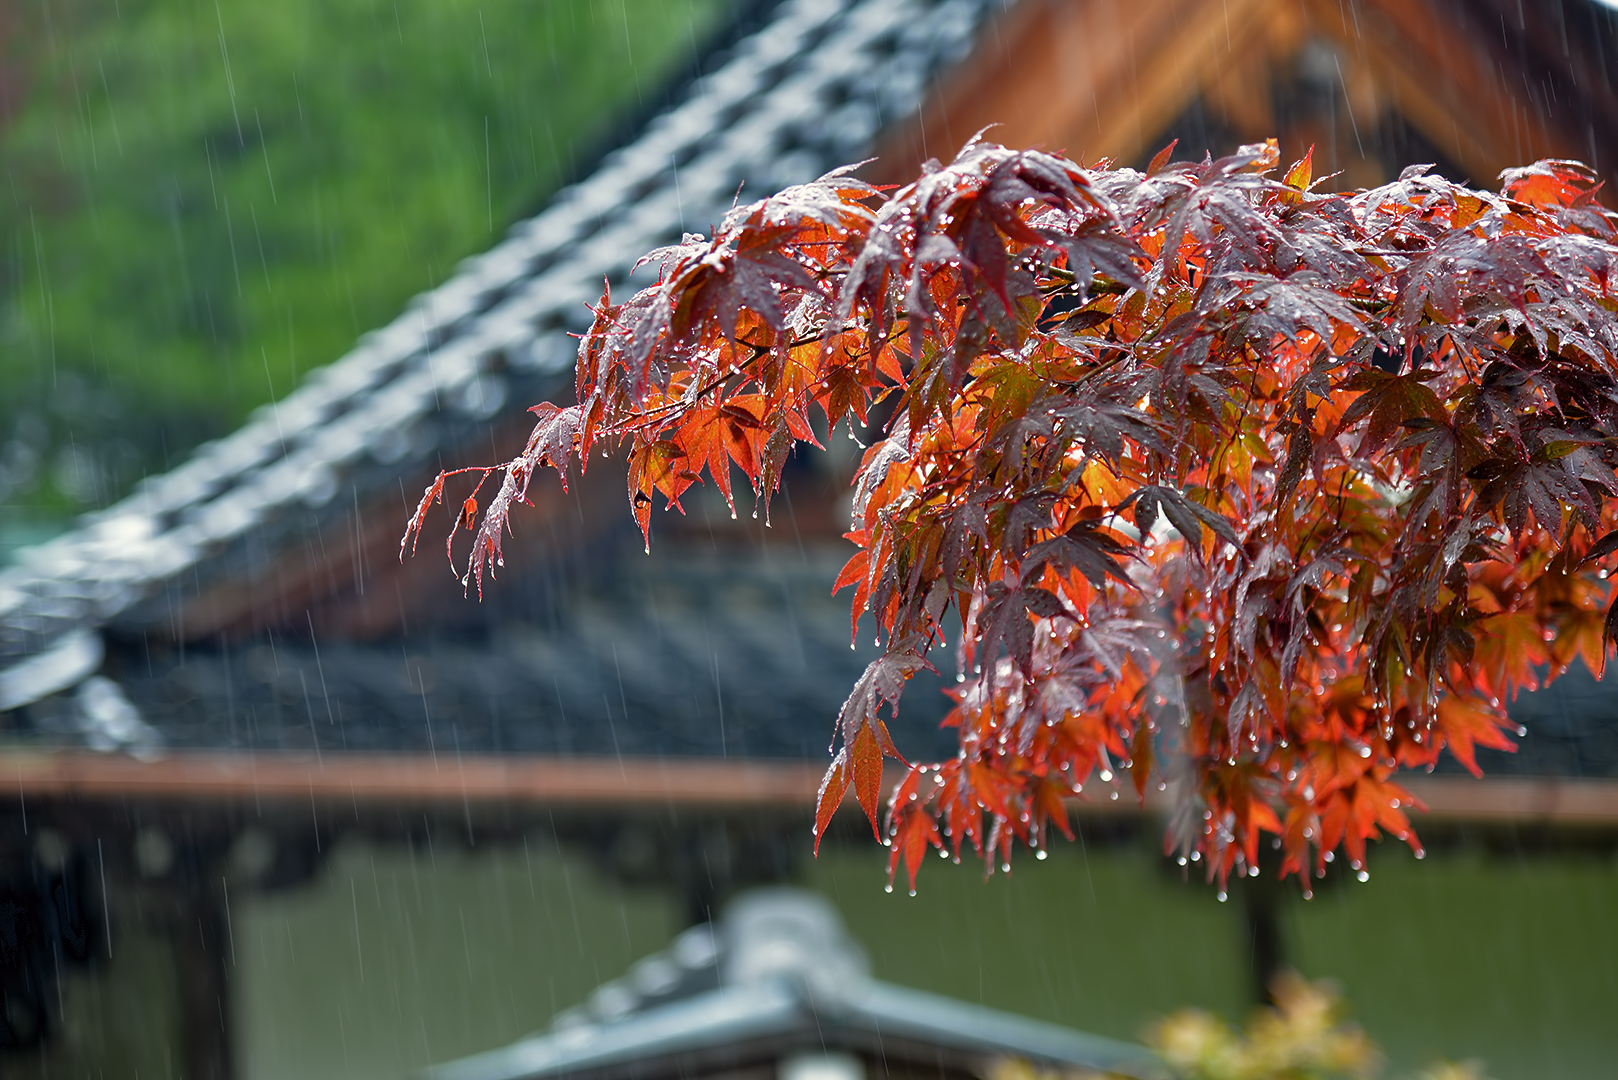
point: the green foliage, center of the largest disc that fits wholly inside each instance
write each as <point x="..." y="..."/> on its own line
<point x="1303" y="1036"/>
<point x="205" y="200"/>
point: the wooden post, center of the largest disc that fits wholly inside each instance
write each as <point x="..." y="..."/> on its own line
<point x="1265" y="949"/>
<point x="202" y="963"/>
<point x="1263" y="899"/>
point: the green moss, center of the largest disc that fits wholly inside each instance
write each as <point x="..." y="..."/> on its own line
<point x="203" y="201"/>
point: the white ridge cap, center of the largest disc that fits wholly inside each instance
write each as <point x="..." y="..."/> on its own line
<point x="68" y="661"/>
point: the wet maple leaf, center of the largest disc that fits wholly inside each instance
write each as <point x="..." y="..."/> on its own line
<point x="1273" y="492"/>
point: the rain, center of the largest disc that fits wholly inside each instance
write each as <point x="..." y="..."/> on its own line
<point x="280" y="798"/>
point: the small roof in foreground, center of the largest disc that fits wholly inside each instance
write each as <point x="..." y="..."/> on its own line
<point x="778" y="978"/>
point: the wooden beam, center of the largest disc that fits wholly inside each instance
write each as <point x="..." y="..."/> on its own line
<point x="410" y="778"/>
<point x="1516" y="801"/>
<point x="1090" y="79"/>
<point x="1450" y="800"/>
<point x="649" y="782"/>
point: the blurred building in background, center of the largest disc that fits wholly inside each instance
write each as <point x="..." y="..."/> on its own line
<point x="287" y="804"/>
<point x="778" y="988"/>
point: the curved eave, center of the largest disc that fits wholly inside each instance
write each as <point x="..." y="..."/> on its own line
<point x="740" y="1024"/>
<point x="719" y="1019"/>
<point x="890" y="1012"/>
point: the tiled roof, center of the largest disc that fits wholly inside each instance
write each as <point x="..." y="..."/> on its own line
<point x="804" y="93"/>
<point x="776" y="978"/>
<point x="694" y="651"/>
<point x="701" y="652"/>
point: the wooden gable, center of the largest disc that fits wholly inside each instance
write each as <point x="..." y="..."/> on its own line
<point x="1474" y="85"/>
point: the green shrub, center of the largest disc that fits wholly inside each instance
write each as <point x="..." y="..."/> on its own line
<point x="203" y="201"/>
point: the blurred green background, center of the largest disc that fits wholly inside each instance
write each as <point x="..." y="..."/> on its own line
<point x="203" y="200"/>
<point x="393" y="958"/>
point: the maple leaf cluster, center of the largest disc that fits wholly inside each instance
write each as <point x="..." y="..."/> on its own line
<point x="1258" y="493"/>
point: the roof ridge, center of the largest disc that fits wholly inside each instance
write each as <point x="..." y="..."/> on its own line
<point x="779" y="974"/>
